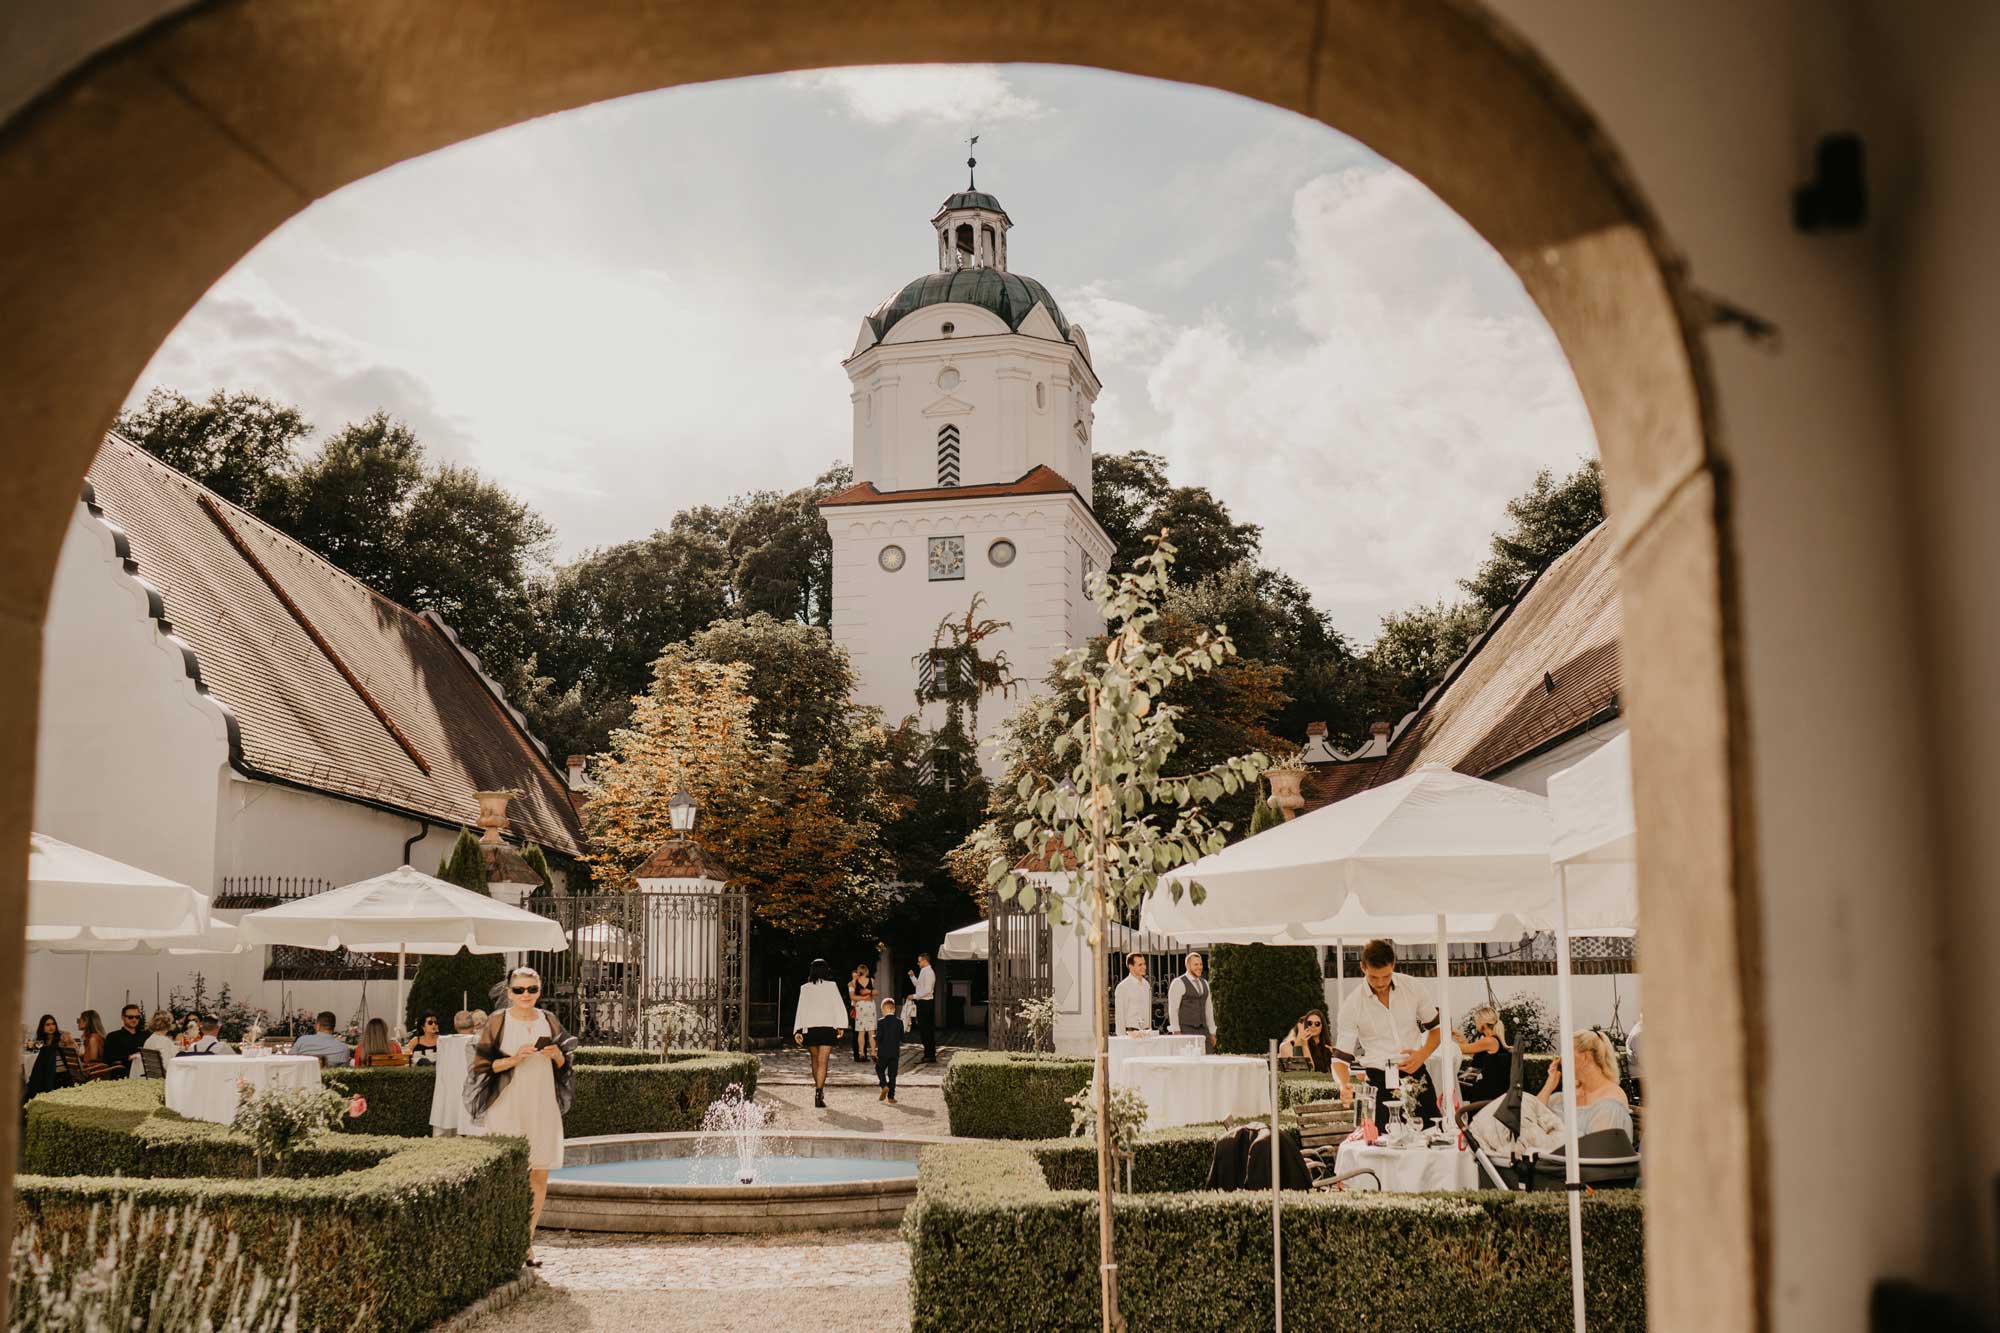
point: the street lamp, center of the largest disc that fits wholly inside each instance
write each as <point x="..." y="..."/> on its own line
<point x="681" y="811"/>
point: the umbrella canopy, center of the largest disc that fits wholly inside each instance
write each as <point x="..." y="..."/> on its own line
<point x="1433" y="842"/>
<point x="404" y="911"/>
<point x="1188" y="923"/>
<point x="971" y="943"/>
<point x="219" y="938"/>
<point x="74" y="894"/>
<point x="1595" y="839"/>
<point x="600" y="941"/>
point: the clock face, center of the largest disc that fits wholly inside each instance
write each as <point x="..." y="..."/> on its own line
<point x="947" y="557"/>
<point x="891" y="558"/>
<point x="1001" y="553"/>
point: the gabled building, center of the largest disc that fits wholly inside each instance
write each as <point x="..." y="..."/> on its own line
<point x="222" y="706"/>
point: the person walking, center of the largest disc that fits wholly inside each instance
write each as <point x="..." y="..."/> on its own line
<point x="923" y="995"/>
<point x="820" y="1023"/>
<point x="888" y="1051"/>
<point x="862" y="992"/>
<point x="522" y="1083"/>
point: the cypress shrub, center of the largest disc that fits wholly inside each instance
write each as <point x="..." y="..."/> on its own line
<point x="1260" y="991"/>
<point x="1196" y="1260"/>
<point x="450" y="982"/>
<point x="1012" y="1094"/>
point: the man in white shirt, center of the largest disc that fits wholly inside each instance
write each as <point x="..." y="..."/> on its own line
<point x="1389" y="1026"/>
<point x="1132" y="1005"/>
<point x="210" y="1041"/>
<point x="1191" y="1003"/>
<point x="924" y="982"/>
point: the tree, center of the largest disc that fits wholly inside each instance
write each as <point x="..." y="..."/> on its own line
<point x="238" y="445"/>
<point x="1415" y="649"/>
<point x="446" y="983"/>
<point x="1549" y="519"/>
<point x="1119" y="817"/>
<point x="807" y="862"/>
<point x="1132" y="497"/>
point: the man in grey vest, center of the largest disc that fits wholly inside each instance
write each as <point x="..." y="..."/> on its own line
<point x="1191" y="1003"/>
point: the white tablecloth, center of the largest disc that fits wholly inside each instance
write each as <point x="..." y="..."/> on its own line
<point x="203" y="1087"/>
<point x="448" y="1115"/>
<point x="1133" y="1048"/>
<point x="1197" y="1090"/>
<point x="1409" y="1170"/>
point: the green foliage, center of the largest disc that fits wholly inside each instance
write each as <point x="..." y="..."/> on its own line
<point x="399" y="1099"/>
<point x="1260" y="991"/>
<point x="1008" y="1095"/>
<point x="239" y="445"/>
<point x="1264" y="816"/>
<point x="1546" y="521"/>
<point x="538" y="861"/>
<point x="279" y="1121"/>
<point x="450" y="982"/>
<point x="361" y="1206"/>
<point x="1133" y="499"/>
<point x="1163" y="1160"/>
<point x="984" y="1215"/>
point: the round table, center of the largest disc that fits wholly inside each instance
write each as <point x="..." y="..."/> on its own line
<point x="1410" y="1170"/>
<point x="1198" y="1090"/>
<point x="1122" y="1049"/>
<point x="203" y="1087"/>
<point x="448" y="1115"/>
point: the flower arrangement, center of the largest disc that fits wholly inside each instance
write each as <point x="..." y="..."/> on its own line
<point x="1038" y="1020"/>
<point x="278" y="1121"/>
<point x="1410" y="1093"/>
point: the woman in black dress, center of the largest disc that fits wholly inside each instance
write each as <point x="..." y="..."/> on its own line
<point x="1308" y="1042"/>
<point x="424" y="1046"/>
<point x="47" y="1073"/>
<point x="821" y="1022"/>
<point x="1488" y="1054"/>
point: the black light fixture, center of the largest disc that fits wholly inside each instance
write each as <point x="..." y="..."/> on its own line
<point x="1836" y="198"/>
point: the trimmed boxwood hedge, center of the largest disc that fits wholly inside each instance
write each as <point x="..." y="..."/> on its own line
<point x="364" y="1206"/>
<point x="1011" y="1095"/>
<point x="618" y="1091"/>
<point x="984" y="1215"/>
<point x="1260" y="991"/>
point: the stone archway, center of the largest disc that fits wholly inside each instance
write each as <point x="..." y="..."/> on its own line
<point x="137" y="182"/>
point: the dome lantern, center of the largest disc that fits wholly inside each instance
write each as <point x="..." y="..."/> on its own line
<point x="971" y="228"/>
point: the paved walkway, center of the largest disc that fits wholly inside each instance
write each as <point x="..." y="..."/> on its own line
<point x="826" y="1281"/>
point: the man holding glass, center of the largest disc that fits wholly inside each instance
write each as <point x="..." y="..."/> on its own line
<point x="1389" y="1026"/>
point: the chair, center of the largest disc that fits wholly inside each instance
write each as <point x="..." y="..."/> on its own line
<point x="150" y="1060"/>
<point x="74" y="1067"/>
<point x="388" y="1061"/>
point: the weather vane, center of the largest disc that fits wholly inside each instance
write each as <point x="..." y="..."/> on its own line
<point x="971" y="162"/>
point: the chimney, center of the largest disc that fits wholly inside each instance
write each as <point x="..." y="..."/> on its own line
<point x="1380" y="731"/>
<point x="577" y="781"/>
<point x="1315" y="731"/>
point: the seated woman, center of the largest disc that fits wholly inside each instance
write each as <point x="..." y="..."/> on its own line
<point x="90" y="1031"/>
<point x="47" y="1074"/>
<point x="160" y="1035"/>
<point x="1600" y="1102"/>
<point x="1489" y="1055"/>
<point x="376" y="1050"/>
<point x="424" y="1046"/>
<point x="1308" y="1042"/>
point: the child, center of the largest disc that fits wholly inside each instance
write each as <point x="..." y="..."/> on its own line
<point x="888" y="1051"/>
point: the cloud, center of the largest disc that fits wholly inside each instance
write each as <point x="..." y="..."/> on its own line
<point x="1377" y="439"/>
<point x="956" y="94"/>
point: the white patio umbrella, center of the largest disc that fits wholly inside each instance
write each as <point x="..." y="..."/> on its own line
<point x="973" y="943"/>
<point x="219" y="938"/>
<point x="83" y="899"/>
<point x="1594" y="845"/>
<point x="409" y="912"/>
<point x="602" y="941"/>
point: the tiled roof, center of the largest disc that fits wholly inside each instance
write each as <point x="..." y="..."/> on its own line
<point x="682" y="858"/>
<point x="333" y="687"/>
<point x="1038" y="480"/>
<point x="1546" y="668"/>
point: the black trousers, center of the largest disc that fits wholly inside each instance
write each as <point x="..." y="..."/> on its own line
<point x="885" y="1070"/>
<point x="1427" y="1102"/>
<point x="927" y="1026"/>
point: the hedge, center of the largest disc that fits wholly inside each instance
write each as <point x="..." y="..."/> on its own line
<point x="1012" y="1095"/>
<point x="618" y="1091"/>
<point x="984" y="1216"/>
<point x="1261" y="990"/>
<point x="394" y="1233"/>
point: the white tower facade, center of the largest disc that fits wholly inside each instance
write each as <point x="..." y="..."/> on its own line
<point x="972" y="400"/>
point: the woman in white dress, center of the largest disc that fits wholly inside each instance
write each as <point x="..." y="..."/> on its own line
<point x="521" y="1082"/>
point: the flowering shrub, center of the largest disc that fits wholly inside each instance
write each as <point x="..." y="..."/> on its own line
<point x="277" y="1121"/>
<point x="1128" y="1117"/>
<point x="1038" y="1019"/>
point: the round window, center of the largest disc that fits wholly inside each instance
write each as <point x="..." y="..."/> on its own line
<point x="947" y="379"/>
<point x="1001" y="553"/>
<point x="949" y="328"/>
<point x="891" y="558"/>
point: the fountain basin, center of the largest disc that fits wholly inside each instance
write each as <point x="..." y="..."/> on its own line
<point x="807" y="1181"/>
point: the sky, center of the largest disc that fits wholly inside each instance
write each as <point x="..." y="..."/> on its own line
<point x="642" y="305"/>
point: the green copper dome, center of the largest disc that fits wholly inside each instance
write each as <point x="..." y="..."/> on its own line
<point x="1008" y="295"/>
<point x="972" y="199"/>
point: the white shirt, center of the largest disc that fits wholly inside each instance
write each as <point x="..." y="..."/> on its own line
<point x="926" y="984"/>
<point x="1374" y="1034"/>
<point x="164" y="1044"/>
<point x="1174" y="1005"/>
<point x="1134" y="1007"/>
<point x="820" y="1006"/>
<point x="211" y="1046"/>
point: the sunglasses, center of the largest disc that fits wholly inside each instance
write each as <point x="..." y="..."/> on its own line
<point x="1312" y="1023"/>
<point x="525" y="990"/>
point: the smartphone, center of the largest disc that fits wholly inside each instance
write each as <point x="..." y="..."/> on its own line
<point x="541" y="1042"/>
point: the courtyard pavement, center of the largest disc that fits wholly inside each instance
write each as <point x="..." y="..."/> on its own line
<point x="825" y="1281"/>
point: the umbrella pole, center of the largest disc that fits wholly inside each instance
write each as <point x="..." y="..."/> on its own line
<point x="1277" y="1204"/>
<point x="402" y="999"/>
<point x="1447" y="1045"/>
<point x="1567" y="1054"/>
<point x="88" y="959"/>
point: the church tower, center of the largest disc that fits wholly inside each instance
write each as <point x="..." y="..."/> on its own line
<point x="972" y="400"/>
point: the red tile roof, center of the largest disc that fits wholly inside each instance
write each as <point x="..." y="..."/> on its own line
<point x="333" y="687"/>
<point x="1038" y="480"/>
<point x="1547" y="667"/>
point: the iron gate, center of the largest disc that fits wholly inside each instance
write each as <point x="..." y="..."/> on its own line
<point x="1017" y="969"/>
<point x="631" y="952"/>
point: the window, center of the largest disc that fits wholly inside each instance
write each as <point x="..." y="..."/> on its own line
<point x="1041" y="396"/>
<point x="1001" y="553"/>
<point x="1089" y="568"/>
<point x="947" y="473"/>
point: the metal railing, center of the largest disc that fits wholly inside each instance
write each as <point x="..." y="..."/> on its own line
<point x="631" y="952"/>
